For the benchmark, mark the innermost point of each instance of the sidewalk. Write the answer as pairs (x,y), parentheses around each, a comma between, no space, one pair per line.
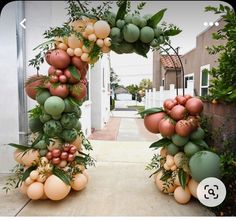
(118,186)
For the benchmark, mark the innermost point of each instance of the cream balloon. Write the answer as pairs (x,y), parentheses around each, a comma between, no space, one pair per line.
(35,191)
(85,57)
(55,188)
(78,52)
(34,174)
(74,42)
(79,182)
(192,185)
(28,181)
(100,43)
(102,29)
(62,46)
(181,195)
(78,25)
(70,52)
(92,37)
(23,188)
(107,42)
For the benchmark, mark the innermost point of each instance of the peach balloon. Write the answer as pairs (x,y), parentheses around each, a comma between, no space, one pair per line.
(192,185)
(102,29)
(163,152)
(34,174)
(85,172)
(18,156)
(85,57)
(78,25)
(181,195)
(35,191)
(28,181)
(23,188)
(92,37)
(62,46)
(74,42)
(79,182)
(55,188)
(30,157)
(89,29)
(44,197)
(105,49)
(160,184)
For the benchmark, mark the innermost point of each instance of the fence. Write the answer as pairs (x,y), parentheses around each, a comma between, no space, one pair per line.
(155,98)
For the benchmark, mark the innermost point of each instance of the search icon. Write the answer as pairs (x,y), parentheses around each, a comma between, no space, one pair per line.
(211,192)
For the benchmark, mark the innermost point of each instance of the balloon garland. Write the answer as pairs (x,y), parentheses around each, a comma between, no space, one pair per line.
(184,158)
(56,157)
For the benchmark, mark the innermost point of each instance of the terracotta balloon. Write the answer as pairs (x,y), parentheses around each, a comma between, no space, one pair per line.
(79,182)
(59,59)
(181,195)
(30,88)
(166,128)
(30,157)
(178,112)
(192,185)
(77,62)
(55,188)
(102,29)
(194,106)
(35,191)
(151,122)
(183,128)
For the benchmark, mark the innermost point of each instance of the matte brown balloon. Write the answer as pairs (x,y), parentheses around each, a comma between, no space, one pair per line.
(151,122)
(194,106)
(59,59)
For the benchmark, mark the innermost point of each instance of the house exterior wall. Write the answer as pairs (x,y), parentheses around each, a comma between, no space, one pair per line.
(157,72)
(199,56)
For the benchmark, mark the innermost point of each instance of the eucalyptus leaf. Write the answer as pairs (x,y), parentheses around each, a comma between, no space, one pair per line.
(61,174)
(182,178)
(160,143)
(155,19)
(74,72)
(166,175)
(21,147)
(151,111)
(172,32)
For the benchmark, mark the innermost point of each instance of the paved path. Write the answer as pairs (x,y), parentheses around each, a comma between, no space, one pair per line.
(119,185)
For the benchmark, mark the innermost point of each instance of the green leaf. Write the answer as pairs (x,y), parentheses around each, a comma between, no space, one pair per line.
(74,72)
(201,143)
(155,19)
(122,11)
(21,147)
(151,111)
(160,143)
(141,48)
(172,32)
(61,174)
(27,172)
(166,175)
(182,178)
(80,160)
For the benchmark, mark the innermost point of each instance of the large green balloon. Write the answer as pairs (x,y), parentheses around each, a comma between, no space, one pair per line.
(204,164)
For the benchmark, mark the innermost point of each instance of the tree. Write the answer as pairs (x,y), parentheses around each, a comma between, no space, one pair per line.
(133,89)
(145,84)
(114,79)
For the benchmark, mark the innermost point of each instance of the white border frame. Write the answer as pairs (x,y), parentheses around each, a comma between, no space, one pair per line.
(207,66)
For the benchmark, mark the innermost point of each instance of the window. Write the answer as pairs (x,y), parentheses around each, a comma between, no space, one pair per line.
(204,79)
(188,77)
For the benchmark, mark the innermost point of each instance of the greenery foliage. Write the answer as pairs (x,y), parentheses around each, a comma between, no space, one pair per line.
(223,84)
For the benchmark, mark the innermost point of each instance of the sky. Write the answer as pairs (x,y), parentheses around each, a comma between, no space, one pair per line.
(187,15)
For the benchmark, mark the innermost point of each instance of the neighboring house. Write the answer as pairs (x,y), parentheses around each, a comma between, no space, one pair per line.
(194,63)
(122,94)
(164,70)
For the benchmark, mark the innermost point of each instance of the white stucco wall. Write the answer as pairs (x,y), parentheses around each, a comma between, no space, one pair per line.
(8,89)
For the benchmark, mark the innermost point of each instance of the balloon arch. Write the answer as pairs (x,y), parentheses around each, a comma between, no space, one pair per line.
(55,159)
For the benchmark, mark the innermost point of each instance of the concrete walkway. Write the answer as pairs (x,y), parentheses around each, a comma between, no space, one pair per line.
(119,184)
